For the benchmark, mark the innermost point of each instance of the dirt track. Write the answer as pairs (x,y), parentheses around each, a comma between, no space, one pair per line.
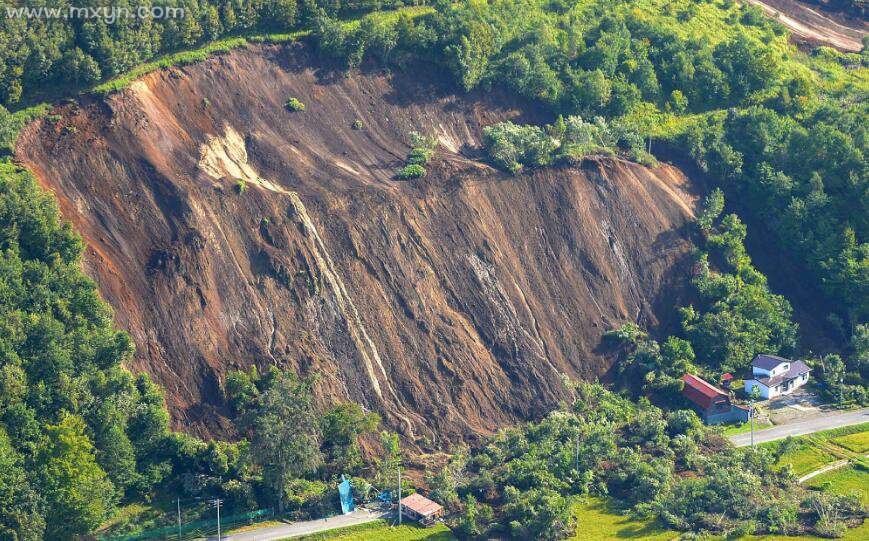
(812,24)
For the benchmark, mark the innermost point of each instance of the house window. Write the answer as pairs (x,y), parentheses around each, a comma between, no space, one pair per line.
(805,377)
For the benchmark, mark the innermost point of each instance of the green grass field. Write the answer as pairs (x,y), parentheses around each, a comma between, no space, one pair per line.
(600,519)
(858,443)
(843,481)
(382,531)
(807,458)
(814,451)
(732,430)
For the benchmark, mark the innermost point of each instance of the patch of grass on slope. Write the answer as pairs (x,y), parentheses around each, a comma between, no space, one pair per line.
(843,481)
(600,519)
(174,59)
(12,123)
(744,428)
(858,443)
(806,458)
(382,531)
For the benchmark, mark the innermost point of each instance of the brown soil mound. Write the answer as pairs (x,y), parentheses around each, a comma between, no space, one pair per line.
(451,304)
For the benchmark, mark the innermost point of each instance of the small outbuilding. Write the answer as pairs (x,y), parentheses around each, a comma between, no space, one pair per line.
(713,404)
(421,509)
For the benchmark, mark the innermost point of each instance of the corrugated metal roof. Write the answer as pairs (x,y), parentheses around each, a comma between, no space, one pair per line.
(700,391)
(421,505)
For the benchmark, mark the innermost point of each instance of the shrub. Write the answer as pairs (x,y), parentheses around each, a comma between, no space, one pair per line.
(241,186)
(294,105)
(411,171)
(512,147)
(418,156)
(357,124)
(307,499)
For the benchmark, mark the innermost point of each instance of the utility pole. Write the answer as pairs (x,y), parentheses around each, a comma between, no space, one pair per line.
(217,502)
(399,496)
(179,519)
(751,419)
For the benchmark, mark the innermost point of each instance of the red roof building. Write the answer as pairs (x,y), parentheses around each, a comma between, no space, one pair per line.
(418,507)
(712,403)
(702,393)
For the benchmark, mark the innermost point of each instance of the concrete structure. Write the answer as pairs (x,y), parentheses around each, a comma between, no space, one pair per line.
(713,404)
(421,509)
(775,376)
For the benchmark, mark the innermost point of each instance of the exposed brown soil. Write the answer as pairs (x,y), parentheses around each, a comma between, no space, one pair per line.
(451,304)
(816,26)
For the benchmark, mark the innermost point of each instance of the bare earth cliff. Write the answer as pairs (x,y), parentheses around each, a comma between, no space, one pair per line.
(451,304)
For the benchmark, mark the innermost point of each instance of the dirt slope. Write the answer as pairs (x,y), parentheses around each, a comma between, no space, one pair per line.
(451,304)
(816,26)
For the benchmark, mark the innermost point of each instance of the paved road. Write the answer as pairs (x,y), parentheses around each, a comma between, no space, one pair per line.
(803,426)
(273,533)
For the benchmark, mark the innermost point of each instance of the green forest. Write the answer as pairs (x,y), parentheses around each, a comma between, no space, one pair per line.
(780,131)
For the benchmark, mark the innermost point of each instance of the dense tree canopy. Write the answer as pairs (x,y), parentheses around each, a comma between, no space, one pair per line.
(737,316)
(42,52)
(67,408)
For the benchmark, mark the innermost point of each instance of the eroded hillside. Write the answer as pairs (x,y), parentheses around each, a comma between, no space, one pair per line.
(451,304)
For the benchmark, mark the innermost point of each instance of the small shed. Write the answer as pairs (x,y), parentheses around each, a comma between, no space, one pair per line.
(726,380)
(421,509)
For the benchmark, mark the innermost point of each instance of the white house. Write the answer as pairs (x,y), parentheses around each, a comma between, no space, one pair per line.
(775,376)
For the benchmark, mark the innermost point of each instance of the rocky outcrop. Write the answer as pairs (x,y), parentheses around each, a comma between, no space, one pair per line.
(226,230)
